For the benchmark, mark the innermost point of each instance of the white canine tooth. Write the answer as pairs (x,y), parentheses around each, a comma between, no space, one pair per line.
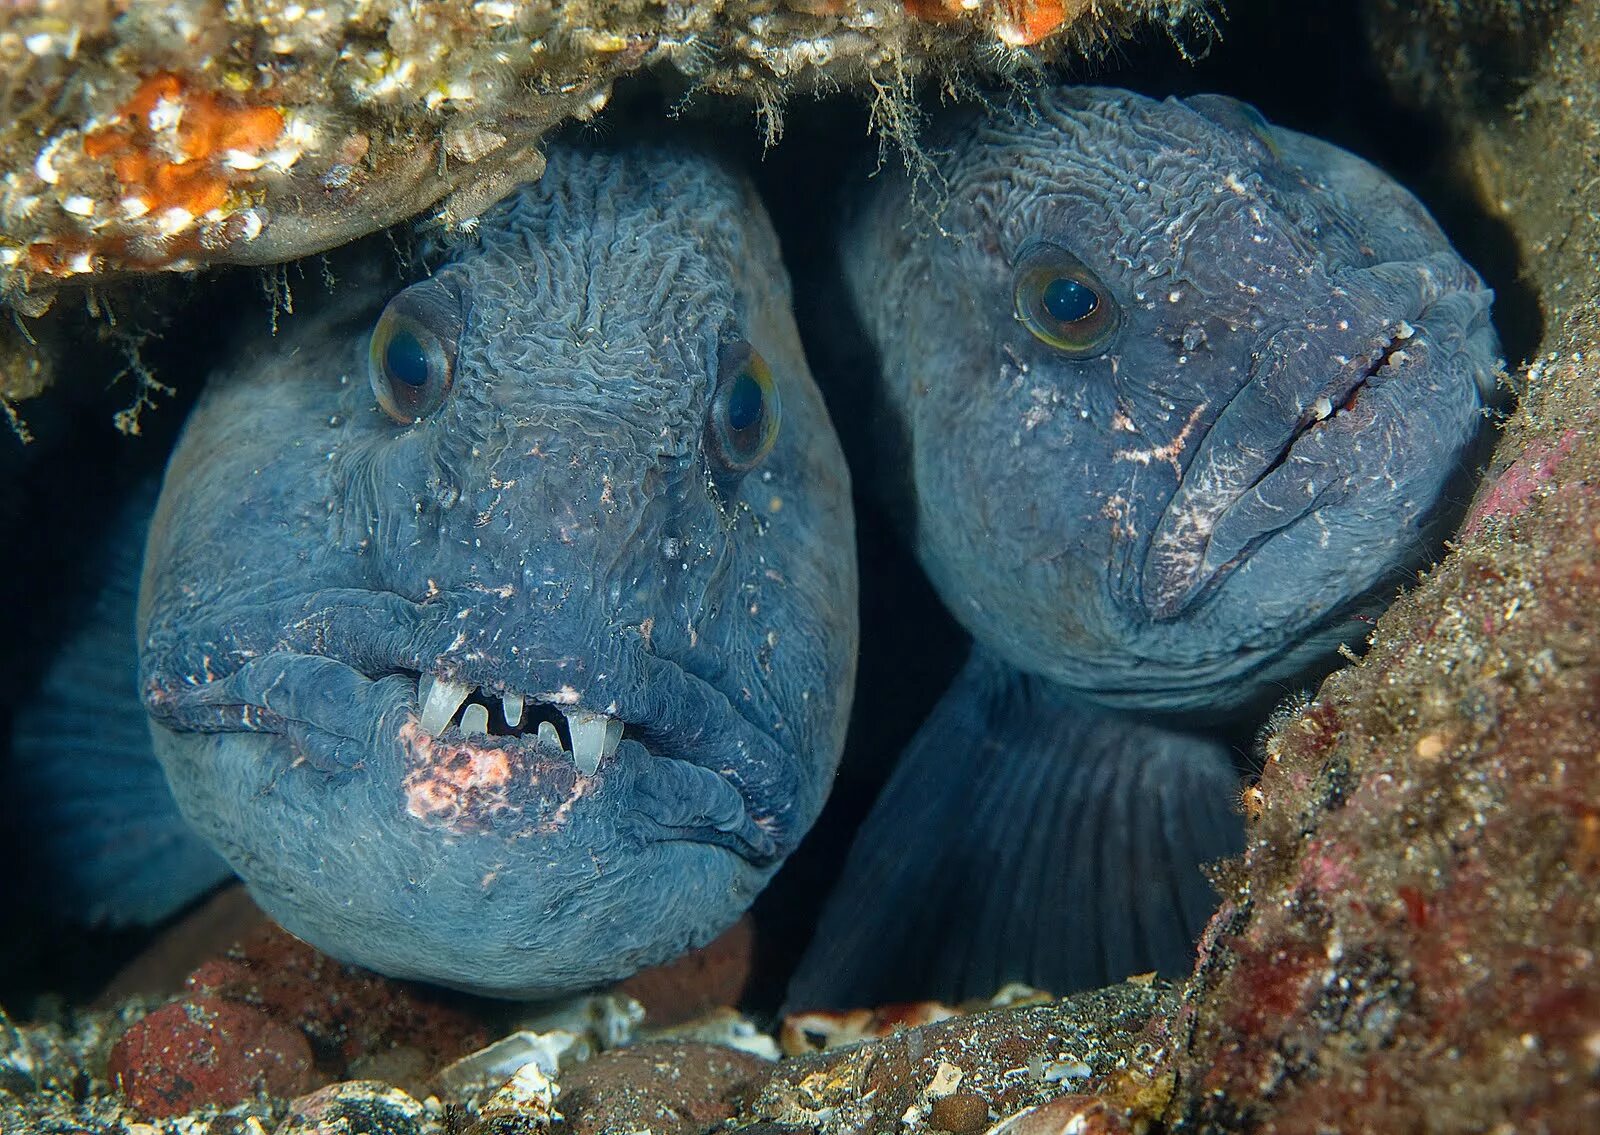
(1321,408)
(548,735)
(439,698)
(511,706)
(592,738)
(475,719)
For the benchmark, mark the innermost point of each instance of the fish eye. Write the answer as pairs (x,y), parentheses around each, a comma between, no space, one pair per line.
(745,411)
(411,362)
(1062,303)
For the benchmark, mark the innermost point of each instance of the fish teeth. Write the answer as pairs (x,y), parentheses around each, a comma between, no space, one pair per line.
(475,719)
(439,699)
(595,737)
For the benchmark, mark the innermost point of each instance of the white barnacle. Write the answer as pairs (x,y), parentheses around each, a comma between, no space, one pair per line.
(165,115)
(174,220)
(253,223)
(44,165)
(242,160)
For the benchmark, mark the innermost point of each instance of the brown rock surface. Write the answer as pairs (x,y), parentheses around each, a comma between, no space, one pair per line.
(666,1088)
(1009,1059)
(1410,941)
(205,1051)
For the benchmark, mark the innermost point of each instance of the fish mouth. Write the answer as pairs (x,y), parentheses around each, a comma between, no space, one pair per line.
(584,736)
(1266,465)
(474,750)
(646,746)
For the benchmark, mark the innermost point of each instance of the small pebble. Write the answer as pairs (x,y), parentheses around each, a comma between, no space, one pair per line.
(960,1113)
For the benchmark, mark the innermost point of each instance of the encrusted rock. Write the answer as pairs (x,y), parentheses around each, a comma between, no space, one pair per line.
(1011,1058)
(208,1051)
(667,1088)
(146,136)
(359,1107)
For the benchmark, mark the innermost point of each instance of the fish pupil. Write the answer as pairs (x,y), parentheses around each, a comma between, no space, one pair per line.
(405,360)
(745,401)
(1068,301)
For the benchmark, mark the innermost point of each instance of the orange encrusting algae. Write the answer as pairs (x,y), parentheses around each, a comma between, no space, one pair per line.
(168,143)
(1027,22)
(1017,23)
(935,11)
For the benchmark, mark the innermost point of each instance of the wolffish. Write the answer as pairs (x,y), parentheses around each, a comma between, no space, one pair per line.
(1180,391)
(499,629)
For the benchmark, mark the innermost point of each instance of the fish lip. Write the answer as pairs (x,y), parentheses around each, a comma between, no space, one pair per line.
(197,686)
(1172,585)
(643,691)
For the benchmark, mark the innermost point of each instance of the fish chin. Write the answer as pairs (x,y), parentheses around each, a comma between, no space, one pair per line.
(444,829)
(485,861)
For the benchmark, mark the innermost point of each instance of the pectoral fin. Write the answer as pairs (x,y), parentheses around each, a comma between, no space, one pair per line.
(1025,836)
(106,840)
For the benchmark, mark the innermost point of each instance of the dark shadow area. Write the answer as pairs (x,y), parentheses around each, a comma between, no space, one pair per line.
(73,479)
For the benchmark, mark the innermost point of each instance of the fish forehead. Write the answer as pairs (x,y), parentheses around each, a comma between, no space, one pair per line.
(1151,192)
(610,280)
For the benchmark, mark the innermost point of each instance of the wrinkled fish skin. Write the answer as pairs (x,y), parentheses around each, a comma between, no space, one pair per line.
(1179,392)
(1184,519)
(325,587)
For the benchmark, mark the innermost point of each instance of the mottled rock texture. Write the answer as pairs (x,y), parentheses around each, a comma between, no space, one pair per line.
(1410,941)
(274,1017)
(666,1088)
(1002,1060)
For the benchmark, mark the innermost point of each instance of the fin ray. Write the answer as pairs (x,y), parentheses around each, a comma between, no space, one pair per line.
(1024,836)
(109,840)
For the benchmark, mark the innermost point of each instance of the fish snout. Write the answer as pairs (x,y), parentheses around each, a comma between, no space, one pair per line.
(1359,411)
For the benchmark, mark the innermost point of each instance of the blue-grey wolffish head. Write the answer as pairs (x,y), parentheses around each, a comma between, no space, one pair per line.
(1179,386)
(500,628)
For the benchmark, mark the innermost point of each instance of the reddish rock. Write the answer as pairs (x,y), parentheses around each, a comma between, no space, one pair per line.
(693,985)
(208,1051)
(349,1015)
(666,1088)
